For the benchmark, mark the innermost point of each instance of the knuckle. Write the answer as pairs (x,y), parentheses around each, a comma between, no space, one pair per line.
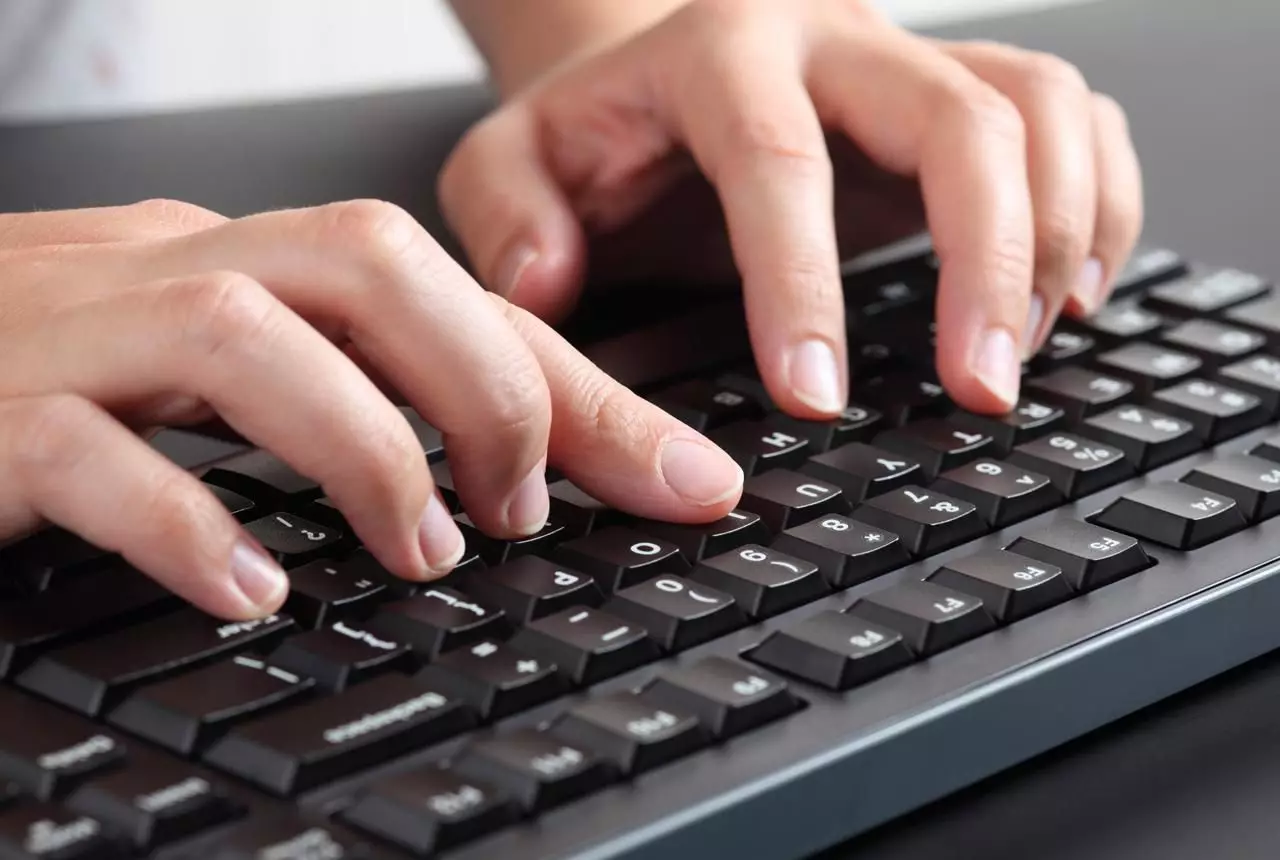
(383,462)
(1009,268)
(520,402)
(176,213)
(1050,73)
(222,312)
(608,412)
(177,514)
(49,434)
(763,140)
(1061,240)
(377,227)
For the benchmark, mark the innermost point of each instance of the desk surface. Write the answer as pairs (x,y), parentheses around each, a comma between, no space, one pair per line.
(1195,777)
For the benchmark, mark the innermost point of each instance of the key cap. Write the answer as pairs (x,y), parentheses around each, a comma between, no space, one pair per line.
(288,838)
(324,591)
(293,541)
(580,513)
(1077,466)
(906,397)
(1029,420)
(439,619)
(320,741)
(1010,587)
(1261,314)
(429,437)
(930,617)
(341,654)
(762,581)
(495,679)
(185,713)
(704,406)
(36,562)
(46,751)
(937,445)
(1149,367)
(1214,342)
(727,697)
(857,423)
(928,522)
(677,613)
(92,675)
(1063,347)
(697,541)
(619,558)
(1217,411)
(190,449)
(833,650)
(1148,438)
(42,830)
(1177,515)
(757,447)
(784,498)
(1089,557)
(237,505)
(1121,321)
(1252,482)
(154,801)
(1002,493)
(1148,266)
(1206,293)
(632,733)
(587,644)
(862,471)
(494,551)
(536,768)
(262,477)
(531,587)
(430,809)
(1080,392)
(1258,375)
(846,551)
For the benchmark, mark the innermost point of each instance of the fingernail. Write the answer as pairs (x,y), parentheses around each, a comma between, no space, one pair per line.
(1031,334)
(995,364)
(1089,288)
(700,473)
(815,376)
(513,268)
(261,581)
(529,505)
(438,535)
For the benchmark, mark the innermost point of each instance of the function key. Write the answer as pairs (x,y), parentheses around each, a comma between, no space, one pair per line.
(337,656)
(1263,315)
(928,522)
(763,581)
(1204,293)
(436,620)
(904,397)
(1149,367)
(1002,493)
(533,587)
(784,498)
(1217,411)
(33,831)
(1214,342)
(856,424)
(937,445)
(293,541)
(587,644)
(1122,321)
(703,540)
(704,405)
(287,837)
(1259,375)
(1148,438)
(678,613)
(495,679)
(1063,347)
(494,551)
(1029,420)
(619,557)
(727,697)
(1148,266)
(579,512)
(1077,466)
(634,734)
(757,446)
(1177,515)
(834,650)
(1254,483)
(862,471)
(1080,392)
(930,617)
(431,439)
(536,768)
(322,591)
(1090,557)
(1011,587)
(845,551)
(262,477)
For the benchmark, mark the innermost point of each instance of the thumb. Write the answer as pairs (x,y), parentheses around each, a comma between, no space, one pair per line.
(516,225)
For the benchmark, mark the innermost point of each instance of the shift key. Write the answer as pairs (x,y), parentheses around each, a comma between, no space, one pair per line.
(92,675)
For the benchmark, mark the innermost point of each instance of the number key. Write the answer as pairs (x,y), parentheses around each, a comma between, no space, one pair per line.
(588,645)
(1077,466)
(845,550)
(1003,493)
(677,613)
(928,522)
(1148,438)
(763,581)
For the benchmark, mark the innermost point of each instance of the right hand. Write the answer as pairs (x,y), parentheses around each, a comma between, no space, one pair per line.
(118,320)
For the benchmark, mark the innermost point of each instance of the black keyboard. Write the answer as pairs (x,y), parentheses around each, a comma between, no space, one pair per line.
(908,599)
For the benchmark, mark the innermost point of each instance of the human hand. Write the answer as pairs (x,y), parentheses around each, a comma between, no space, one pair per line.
(117,320)
(1029,181)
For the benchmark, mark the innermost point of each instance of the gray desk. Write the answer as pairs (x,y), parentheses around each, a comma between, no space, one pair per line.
(1196,777)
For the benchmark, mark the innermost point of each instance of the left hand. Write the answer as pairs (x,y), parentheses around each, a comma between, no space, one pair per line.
(1029,180)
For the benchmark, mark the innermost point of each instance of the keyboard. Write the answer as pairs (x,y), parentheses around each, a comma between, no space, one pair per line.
(908,599)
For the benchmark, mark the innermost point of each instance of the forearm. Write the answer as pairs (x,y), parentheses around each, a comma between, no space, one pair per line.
(521,39)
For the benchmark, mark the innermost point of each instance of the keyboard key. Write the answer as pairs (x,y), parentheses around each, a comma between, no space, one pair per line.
(1122,321)
(536,768)
(324,591)
(262,477)
(1063,347)
(834,650)
(846,551)
(937,445)
(306,745)
(1205,293)
(697,541)
(1148,266)
(1217,411)
(293,541)
(288,838)
(237,505)
(430,809)
(577,511)
(619,558)
(1259,375)
(1010,587)
(1148,438)
(1080,392)
(1077,466)
(1177,515)
(191,449)
(91,675)
(429,437)
(1002,493)
(46,751)
(931,618)
(494,551)
(928,522)
(42,830)
(495,679)
(1214,342)
(632,733)
(531,587)
(758,447)
(1089,557)
(341,654)
(677,613)
(704,406)
(905,397)
(857,423)
(783,498)
(1148,366)
(1262,314)
(154,801)
(862,471)
(1269,449)
(727,697)
(439,619)
(1252,482)
(1029,420)
(185,713)
(763,581)
(36,562)
(587,644)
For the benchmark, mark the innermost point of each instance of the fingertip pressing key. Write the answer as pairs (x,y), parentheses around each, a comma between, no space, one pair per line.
(995,364)
(815,377)
(441,540)
(262,584)
(700,473)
